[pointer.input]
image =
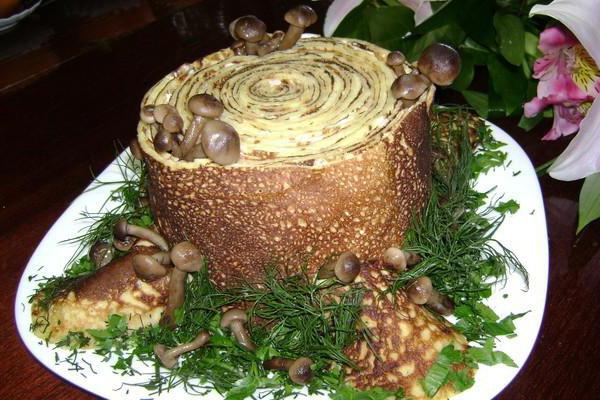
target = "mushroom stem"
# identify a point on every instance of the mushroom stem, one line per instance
(234, 320)
(123, 229)
(195, 152)
(176, 297)
(242, 336)
(278, 364)
(270, 45)
(192, 134)
(169, 357)
(291, 37)
(149, 268)
(136, 150)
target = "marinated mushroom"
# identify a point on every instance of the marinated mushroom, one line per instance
(238, 47)
(441, 64)
(345, 268)
(186, 257)
(169, 357)
(220, 142)
(101, 253)
(398, 259)
(234, 320)
(163, 141)
(136, 150)
(195, 152)
(122, 229)
(125, 244)
(421, 291)
(299, 18)
(298, 370)
(271, 44)
(147, 114)
(203, 106)
(161, 110)
(409, 86)
(172, 122)
(249, 29)
(396, 59)
(151, 267)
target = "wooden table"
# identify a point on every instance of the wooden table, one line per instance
(66, 98)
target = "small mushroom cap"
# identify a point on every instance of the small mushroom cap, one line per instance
(409, 86)
(395, 258)
(205, 105)
(235, 314)
(124, 245)
(186, 257)
(347, 267)
(300, 371)
(101, 253)
(441, 63)
(163, 141)
(147, 267)
(147, 114)
(221, 142)
(161, 111)
(441, 304)
(395, 58)
(172, 122)
(420, 291)
(165, 357)
(249, 28)
(301, 16)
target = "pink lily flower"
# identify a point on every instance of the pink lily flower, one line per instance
(570, 82)
(338, 10)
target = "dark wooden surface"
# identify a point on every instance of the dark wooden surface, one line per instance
(67, 96)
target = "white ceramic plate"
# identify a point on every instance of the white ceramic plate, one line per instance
(523, 232)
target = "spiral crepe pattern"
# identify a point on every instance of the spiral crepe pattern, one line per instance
(318, 101)
(330, 162)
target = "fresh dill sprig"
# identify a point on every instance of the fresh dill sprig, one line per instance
(127, 199)
(454, 234)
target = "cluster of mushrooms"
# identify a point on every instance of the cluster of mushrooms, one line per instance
(438, 64)
(251, 36)
(178, 261)
(346, 268)
(205, 137)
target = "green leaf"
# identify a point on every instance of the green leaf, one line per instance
(355, 24)
(487, 313)
(461, 379)
(388, 25)
(508, 82)
(509, 206)
(467, 72)
(243, 389)
(486, 355)
(477, 100)
(511, 37)
(385, 26)
(531, 45)
(589, 201)
(438, 374)
(528, 124)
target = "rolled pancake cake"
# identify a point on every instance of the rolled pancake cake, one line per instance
(330, 160)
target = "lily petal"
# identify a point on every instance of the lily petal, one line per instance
(336, 12)
(581, 17)
(582, 156)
